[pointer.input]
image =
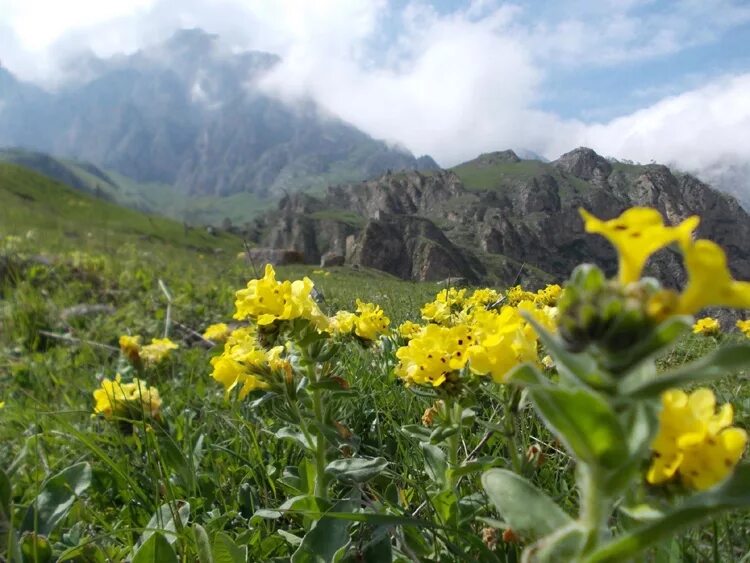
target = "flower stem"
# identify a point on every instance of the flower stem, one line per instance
(594, 507)
(320, 448)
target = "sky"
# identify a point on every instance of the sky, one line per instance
(634, 79)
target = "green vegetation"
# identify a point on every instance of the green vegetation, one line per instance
(501, 175)
(341, 215)
(206, 475)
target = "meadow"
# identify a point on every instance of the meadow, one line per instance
(218, 478)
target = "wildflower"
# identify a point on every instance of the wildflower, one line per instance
(130, 346)
(158, 350)
(695, 441)
(409, 329)
(428, 417)
(744, 327)
(342, 323)
(709, 280)
(516, 294)
(267, 300)
(501, 342)
(637, 234)
(548, 362)
(707, 326)
(490, 537)
(217, 332)
(548, 296)
(447, 302)
(435, 353)
(510, 536)
(130, 400)
(370, 322)
(483, 297)
(535, 456)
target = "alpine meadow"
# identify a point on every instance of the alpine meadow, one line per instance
(245, 317)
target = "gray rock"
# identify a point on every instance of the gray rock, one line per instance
(274, 256)
(330, 259)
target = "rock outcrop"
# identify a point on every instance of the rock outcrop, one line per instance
(499, 218)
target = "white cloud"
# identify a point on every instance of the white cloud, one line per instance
(450, 85)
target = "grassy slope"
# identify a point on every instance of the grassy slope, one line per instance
(47, 383)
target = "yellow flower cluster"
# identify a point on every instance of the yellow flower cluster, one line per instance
(695, 442)
(129, 400)
(464, 333)
(152, 353)
(218, 332)
(369, 322)
(640, 232)
(266, 300)
(245, 363)
(744, 327)
(158, 350)
(707, 326)
(447, 303)
(546, 297)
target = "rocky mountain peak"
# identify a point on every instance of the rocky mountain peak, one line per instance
(498, 157)
(584, 163)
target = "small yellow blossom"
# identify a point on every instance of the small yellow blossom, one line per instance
(130, 346)
(695, 442)
(267, 300)
(130, 400)
(708, 326)
(637, 234)
(432, 355)
(710, 282)
(548, 296)
(516, 294)
(446, 303)
(483, 297)
(370, 322)
(342, 323)
(409, 329)
(744, 327)
(217, 332)
(158, 350)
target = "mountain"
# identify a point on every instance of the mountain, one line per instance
(189, 113)
(500, 219)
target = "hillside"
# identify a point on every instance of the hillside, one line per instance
(499, 218)
(61, 218)
(190, 114)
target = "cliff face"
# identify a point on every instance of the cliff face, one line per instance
(487, 218)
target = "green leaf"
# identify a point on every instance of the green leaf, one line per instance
(435, 463)
(565, 544)
(5, 510)
(291, 433)
(163, 521)
(526, 374)
(202, 544)
(719, 363)
(734, 493)
(417, 431)
(303, 504)
(526, 509)
(356, 469)
(155, 550)
(584, 422)
(575, 369)
(56, 498)
(327, 540)
(225, 550)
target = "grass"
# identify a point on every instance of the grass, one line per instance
(219, 456)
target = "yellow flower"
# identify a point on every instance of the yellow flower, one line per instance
(217, 332)
(245, 363)
(370, 322)
(483, 297)
(501, 342)
(447, 302)
(131, 400)
(158, 350)
(516, 294)
(548, 296)
(2, 404)
(744, 327)
(409, 329)
(130, 346)
(432, 355)
(637, 234)
(342, 323)
(695, 442)
(709, 281)
(707, 326)
(267, 300)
